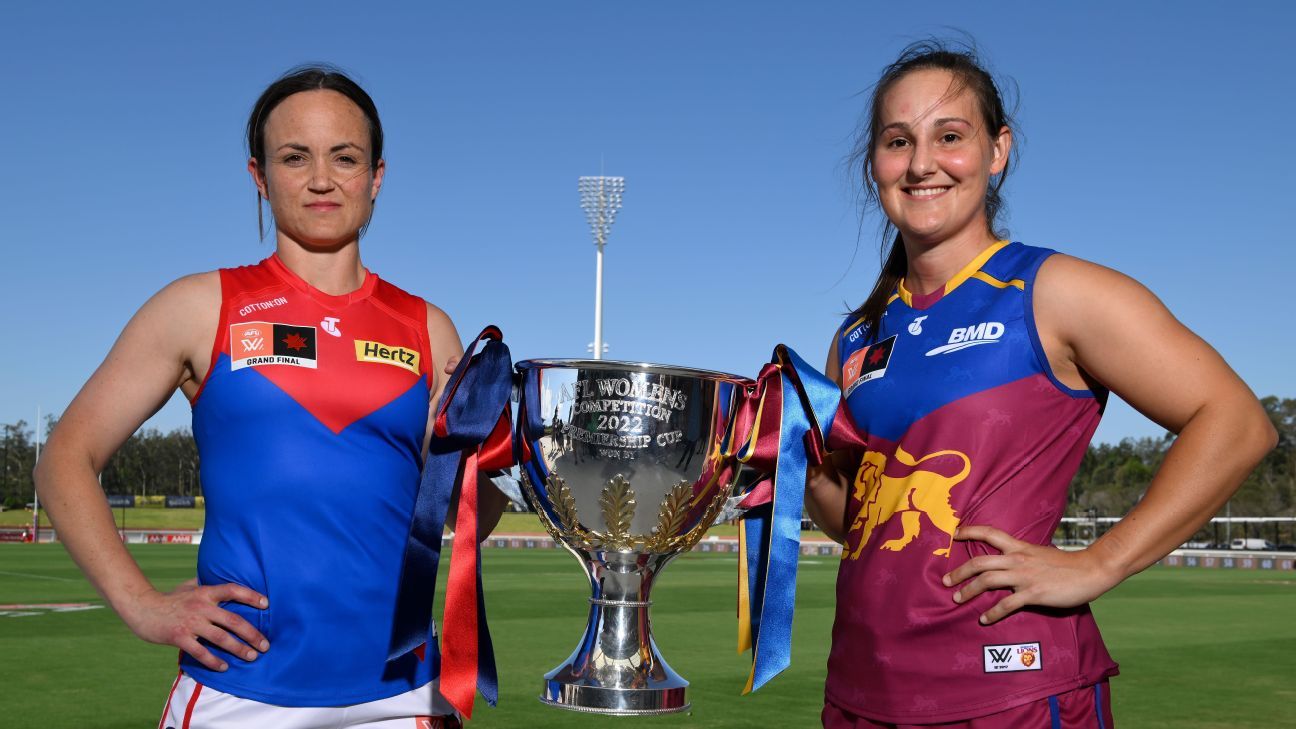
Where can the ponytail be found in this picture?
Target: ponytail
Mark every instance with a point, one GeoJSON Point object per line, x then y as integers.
{"type": "Point", "coordinates": [893, 270]}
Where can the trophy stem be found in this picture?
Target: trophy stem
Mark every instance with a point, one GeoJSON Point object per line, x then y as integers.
{"type": "Point", "coordinates": [617, 668]}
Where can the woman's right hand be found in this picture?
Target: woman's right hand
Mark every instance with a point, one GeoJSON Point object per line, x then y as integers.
{"type": "Point", "coordinates": [190, 614]}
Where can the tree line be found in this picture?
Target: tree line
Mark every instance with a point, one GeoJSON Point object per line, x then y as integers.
{"type": "Point", "coordinates": [1111, 478]}
{"type": "Point", "coordinates": [149, 463]}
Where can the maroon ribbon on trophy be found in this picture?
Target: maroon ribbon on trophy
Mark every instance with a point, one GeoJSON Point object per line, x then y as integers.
{"type": "Point", "coordinates": [791, 420]}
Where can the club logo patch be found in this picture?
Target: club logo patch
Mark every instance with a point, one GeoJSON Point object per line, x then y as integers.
{"type": "Point", "coordinates": [260, 343]}
{"type": "Point", "coordinates": [867, 364]}
{"type": "Point", "coordinates": [1013, 657]}
{"type": "Point", "coordinates": [367, 351]}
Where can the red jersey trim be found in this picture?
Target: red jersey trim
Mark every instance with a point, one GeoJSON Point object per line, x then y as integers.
{"type": "Point", "coordinates": [281, 271]}
{"type": "Point", "coordinates": [285, 277]}
{"type": "Point", "coordinates": [418, 325]}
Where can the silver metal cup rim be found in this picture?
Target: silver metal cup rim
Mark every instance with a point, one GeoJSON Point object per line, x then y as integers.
{"type": "Point", "coordinates": [622, 366]}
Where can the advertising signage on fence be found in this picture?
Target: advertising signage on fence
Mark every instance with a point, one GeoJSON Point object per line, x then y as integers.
{"type": "Point", "coordinates": [180, 502]}
{"type": "Point", "coordinates": [1252, 562]}
{"type": "Point", "coordinates": [154, 538]}
{"type": "Point", "coordinates": [121, 501]}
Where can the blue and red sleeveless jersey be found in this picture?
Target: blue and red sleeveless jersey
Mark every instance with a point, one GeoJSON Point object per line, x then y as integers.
{"type": "Point", "coordinates": [966, 425]}
{"type": "Point", "coordinates": [310, 429]}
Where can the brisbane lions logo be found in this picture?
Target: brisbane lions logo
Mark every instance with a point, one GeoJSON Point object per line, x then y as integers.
{"type": "Point", "coordinates": [920, 492]}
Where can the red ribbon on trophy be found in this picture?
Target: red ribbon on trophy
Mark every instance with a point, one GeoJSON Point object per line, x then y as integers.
{"type": "Point", "coordinates": [471, 433]}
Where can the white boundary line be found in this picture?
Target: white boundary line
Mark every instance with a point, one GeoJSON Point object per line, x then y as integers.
{"type": "Point", "coordinates": [39, 577]}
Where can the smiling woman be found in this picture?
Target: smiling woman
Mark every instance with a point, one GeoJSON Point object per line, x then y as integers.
{"type": "Point", "coordinates": [310, 380]}
{"type": "Point", "coordinates": [935, 157]}
{"type": "Point", "coordinates": [974, 111]}
{"type": "Point", "coordinates": [979, 369]}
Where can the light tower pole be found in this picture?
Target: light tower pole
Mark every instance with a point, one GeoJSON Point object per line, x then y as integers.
{"type": "Point", "coordinates": [35, 493]}
{"type": "Point", "coordinates": [600, 199]}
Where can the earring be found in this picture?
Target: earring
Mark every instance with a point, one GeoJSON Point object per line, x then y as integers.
{"type": "Point", "coordinates": [260, 223]}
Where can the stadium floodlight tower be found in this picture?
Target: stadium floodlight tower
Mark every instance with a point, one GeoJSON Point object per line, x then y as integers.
{"type": "Point", "coordinates": [600, 199]}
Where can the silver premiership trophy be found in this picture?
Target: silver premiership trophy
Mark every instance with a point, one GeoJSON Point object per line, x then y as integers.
{"type": "Point", "coordinates": [624, 465]}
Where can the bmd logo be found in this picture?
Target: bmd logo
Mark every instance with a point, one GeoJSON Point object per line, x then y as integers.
{"type": "Point", "coordinates": [987, 332]}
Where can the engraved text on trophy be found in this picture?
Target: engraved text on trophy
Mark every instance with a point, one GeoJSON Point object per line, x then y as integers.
{"type": "Point", "coordinates": [620, 416]}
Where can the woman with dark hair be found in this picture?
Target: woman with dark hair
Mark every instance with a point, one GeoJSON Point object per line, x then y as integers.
{"type": "Point", "coordinates": [978, 368]}
{"type": "Point", "coordinates": [310, 380]}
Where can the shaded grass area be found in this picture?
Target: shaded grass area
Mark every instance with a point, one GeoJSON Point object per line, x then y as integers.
{"type": "Point", "coordinates": [1197, 647]}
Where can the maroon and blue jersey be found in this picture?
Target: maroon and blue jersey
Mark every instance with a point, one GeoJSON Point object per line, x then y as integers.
{"type": "Point", "coordinates": [966, 424]}
{"type": "Point", "coordinates": [310, 428]}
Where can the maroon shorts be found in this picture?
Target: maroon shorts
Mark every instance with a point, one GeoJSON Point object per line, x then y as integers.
{"type": "Point", "coordinates": [1083, 708]}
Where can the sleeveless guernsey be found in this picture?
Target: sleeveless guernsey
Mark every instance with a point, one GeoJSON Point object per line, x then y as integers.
{"type": "Point", "coordinates": [310, 428]}
{"type": "Point", "coordinates": [966, 425]}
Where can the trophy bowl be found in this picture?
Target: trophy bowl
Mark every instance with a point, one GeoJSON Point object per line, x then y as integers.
{"type": "Point", "coordinates": [625, 465]}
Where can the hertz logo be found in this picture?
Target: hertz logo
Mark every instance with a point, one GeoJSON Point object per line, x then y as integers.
{"type": "Point", "coordinates": [386, 354]}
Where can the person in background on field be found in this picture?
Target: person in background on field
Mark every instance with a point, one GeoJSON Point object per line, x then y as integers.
{"type": "Point", "coordinates": [310, 380]}
{"type": "Point", "coordinates": [978, 369]}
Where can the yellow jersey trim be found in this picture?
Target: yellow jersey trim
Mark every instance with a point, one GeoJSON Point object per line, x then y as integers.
{"type": "Point", "coordinates": [973, 267]}
{"type": "Point", "coordinates": [1015, 283]}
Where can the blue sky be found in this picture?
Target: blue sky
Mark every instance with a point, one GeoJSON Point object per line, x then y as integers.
{"type": "Point", "coordinates": [1156, 142]}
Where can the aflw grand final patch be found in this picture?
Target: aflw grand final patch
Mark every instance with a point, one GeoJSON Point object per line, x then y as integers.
{"type": "Point", "coordinates": [259, 343]}
{"type": "Point", "coordinates": [867, 364]}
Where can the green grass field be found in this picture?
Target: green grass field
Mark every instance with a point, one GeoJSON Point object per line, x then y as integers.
{"type": "Point", "coordinates": [1198, 648]}
{"type": "Point", "coordinates": [136, 518]}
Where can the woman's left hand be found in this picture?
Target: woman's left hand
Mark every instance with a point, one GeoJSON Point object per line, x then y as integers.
{"type": "Point", "coordinates": [1036, 575]}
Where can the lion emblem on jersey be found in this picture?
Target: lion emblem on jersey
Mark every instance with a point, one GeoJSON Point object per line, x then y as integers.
{"type": "Point", "coordinates": [920, 492]}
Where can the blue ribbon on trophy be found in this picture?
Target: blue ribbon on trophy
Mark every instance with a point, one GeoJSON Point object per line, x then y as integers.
{"type": "Point", "coordinates": [471, 433]}
{"type": "Point", "coordinates": [794, 418]}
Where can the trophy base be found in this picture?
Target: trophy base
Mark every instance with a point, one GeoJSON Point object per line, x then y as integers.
{"type": "Point", "coordinates": [615, 701]}
{"type": "Point", "coordinates": [617, 669]}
